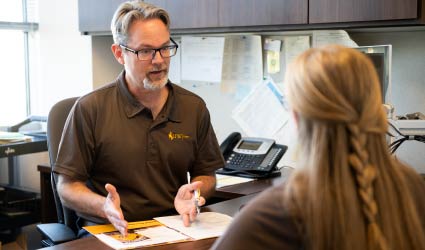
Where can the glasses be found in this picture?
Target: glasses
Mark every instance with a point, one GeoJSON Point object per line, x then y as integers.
{"type": "Point", "coordinates": [149, 54]}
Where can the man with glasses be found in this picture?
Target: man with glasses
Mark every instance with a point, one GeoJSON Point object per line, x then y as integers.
{"type": "Point", "coordinates": [127, 147]}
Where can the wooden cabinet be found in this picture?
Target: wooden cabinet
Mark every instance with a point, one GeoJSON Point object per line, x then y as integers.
{"type": "Point", "coordinates": [198, 14]}
{"type": "Point", "coordinates": [216, 16]}
{"type": "Point", "coordinates": [189, 14]}
{"type": "Point", "coordinates": [261, 12]}
{"type": "Point", "coordinates": [337, 11]}
{"type": "Point", "coordinates": [95, 15]}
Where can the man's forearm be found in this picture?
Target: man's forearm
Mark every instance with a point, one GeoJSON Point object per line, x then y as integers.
{"type": "Point", "coordinates": [76, 196]}
{"type": "Point", "coordinates": [208, 187]}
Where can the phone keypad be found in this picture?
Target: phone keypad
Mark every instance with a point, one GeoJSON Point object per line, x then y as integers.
{"type": "Point", "coordinates": [244, 161]}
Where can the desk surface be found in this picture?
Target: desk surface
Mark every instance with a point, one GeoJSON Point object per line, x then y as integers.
{"type": "Point", "coordinates": [37, 144]}
{"type": "Point", "coordinates": [230, 207]}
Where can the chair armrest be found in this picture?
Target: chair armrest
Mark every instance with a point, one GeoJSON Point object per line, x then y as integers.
{"type": "Point", "coordinates": [56, 232]}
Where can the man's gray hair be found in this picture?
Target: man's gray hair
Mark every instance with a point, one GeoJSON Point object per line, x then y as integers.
{"type": "Point", "coordinates": [128, 12]}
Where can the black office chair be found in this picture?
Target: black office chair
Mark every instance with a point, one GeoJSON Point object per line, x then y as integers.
{"type": "Point", "coordinates": [65, 229]}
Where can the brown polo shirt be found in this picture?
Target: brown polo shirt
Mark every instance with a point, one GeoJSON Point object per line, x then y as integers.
{"type": "Point", "coordinates": [110, 137]}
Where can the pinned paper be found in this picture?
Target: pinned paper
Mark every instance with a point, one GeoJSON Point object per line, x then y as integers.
{"type": "Point", "coordinates": [242, 63]}
{"type": "Point", "coordinates": [202, 58]}
{"type": "Point", "coordinates": [323, 37]}
{"type": "Point", "coordinates": [273, 48]}
{"type": "Point", "coordinates": [262, 112]}
{"type": "Point", "coordinates": [294, 46]}
{"type": "Point", "coordinates": [273, 62]}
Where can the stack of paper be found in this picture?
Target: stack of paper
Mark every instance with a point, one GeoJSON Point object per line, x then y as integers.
{"type": "Point", "coordinates": [228, 180]}
{"type": "Point", "coordinates": [10, 137]}
{"type": "Point", "coordinates": [162, 230]}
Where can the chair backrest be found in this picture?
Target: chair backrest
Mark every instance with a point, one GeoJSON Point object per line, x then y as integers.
{"type": "Point", "coordinates": [55, 124]}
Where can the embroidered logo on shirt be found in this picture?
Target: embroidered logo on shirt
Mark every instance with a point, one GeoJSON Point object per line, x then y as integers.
{"type": "Point", "coordinates": [173, 136]}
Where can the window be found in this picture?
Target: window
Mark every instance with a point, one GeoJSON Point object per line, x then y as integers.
{"type": "Point", "coordinates": [17, 22]}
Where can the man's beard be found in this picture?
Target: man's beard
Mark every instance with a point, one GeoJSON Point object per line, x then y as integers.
{"type": "Point", "coordinates": [155, 85]}
{"type": "Point", "coordinates": [149, 85]}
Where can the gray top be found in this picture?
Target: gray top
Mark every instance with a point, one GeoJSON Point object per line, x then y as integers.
{"type": "Point", "coordinates": [110, 137]}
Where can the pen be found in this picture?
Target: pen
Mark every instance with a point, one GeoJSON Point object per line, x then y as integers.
{"type": "Point", "coordinates": [197, 194]}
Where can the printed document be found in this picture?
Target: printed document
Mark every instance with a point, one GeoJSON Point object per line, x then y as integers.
{"type": "Point", "coordinates": [323, 37]}
{"type": "Point", "coordinates": [242, 63]}
{"type": "Point", "coordinates": [229, 180]}
{"type": "Point", "coordinates": [202, 58]}
{"type": "Point", "coordinates": [262, 112]}
{"type": "Point", "coordinates": [206, 225]}
{"type": "Point", "coordinates": [162, 230]}
{"type": "Point", "coordinates": [294, 46]}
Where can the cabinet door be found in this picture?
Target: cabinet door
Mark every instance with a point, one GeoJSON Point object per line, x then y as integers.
{"type": "Point", "coordinates": [333, 11]}
{"type": "Point", "coordinates": [188, 14]}
{"type": "Point", "coordinates": [261, 12]}
{"type": "Point", "coordinates": [96, 16]}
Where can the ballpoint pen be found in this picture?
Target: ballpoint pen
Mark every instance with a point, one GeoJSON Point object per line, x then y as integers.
{"type": "Point", "coordinates": [197, 194]}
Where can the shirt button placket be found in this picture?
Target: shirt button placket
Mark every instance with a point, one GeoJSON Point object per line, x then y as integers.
{"type": "Point", "coordinates": [152, 149]}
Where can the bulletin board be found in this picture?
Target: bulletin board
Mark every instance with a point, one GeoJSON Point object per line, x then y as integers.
{"type": "Point", "coordinates": [223, 97]}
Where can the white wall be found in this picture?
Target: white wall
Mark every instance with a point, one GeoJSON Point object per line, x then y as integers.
{"type": "Point", "coordinates": [105, 66]}
{"type": "Point", "coordinates": [61, 67]}
{"type": "Point", "coordinates": [64, 60]}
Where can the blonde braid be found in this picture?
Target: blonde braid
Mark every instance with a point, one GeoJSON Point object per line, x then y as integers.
{"type": "Point", "coordinates": [365, 176]}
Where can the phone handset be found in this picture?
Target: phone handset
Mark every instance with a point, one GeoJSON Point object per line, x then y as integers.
{"type": "Point", "coordinates": [229, 143]}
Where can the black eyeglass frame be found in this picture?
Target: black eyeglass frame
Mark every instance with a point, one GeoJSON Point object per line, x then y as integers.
{"type": "Point", "coordinates": [136, 52]}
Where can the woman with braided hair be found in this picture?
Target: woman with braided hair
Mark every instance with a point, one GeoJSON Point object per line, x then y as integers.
{"type": "Point", "coordinates": [347, 191]}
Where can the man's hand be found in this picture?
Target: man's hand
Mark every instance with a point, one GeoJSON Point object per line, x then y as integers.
{"type": "Point", "coordinates": [185, 202]}
{"type": "Point", "coordinates": [113, 210]}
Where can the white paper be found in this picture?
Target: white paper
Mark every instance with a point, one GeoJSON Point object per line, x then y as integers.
{"type": "Point", "coordinates": [323, 37]}
{"type": "Point", "coordinates": [202, 58]}
{"type": "Point", "coordinates": [294, 46]}
{"type": "Point", "coordinates": [228, 180]}
{"type": "Point", "coordinates": [174, 73]}
{"type": "Point", "coordinates": [10, 137]}
{"type": "Point", "coordinates": [272, 45]}
{"type": "Point", "coordinates": [206, 225]}
{"type": "Point", "coordinates": [242, 62]}
{"type": "Point", "coordinates": [261, 113]}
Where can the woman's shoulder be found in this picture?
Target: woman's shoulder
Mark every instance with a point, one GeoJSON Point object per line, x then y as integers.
{"type": "Point", "coordinates": [264, 223]}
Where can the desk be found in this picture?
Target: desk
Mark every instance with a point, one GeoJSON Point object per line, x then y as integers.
{"type": "Point", "coordinates": [230, 207]}
{"type": "Point", "coordinates": [37, 144]}
{"type": "Point", "coordinates": [243, 192]}
{"type": "Point", "coordinates": [21, 208]}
